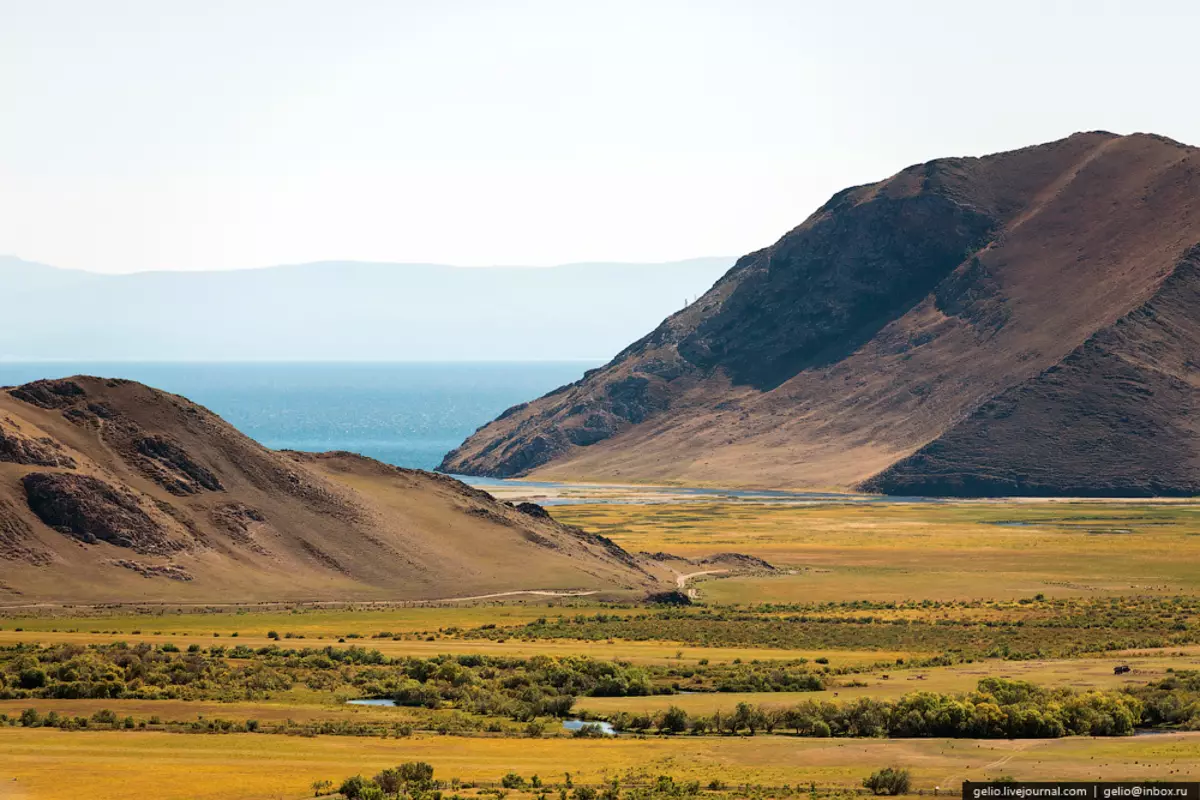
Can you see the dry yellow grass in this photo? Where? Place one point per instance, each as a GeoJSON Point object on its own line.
{"type": "Point", "coordinates": [363, 620]}
{"type": "Point", "coordinates": [902, 551]}
{"type": "Point", "coordinates": [636, 652]}
{"type": "Point", "coordinates": [279, 709]}
{"type": "Point", "coordinates": [54, 765]}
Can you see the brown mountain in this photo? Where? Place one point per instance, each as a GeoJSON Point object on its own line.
{"type": "Point", "coordinates": [112, 491]}
{"type": "Point", "coordinates": [1024, 323]}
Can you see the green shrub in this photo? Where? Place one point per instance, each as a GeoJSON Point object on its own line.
{"type": "Point", "coordinates": [889, 780]}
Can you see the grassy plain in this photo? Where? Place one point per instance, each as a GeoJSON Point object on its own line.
{"type": "Point", "coordinates": [828, 556]}
{"type": "Point", "coordinates": [636, 652]}
{"type": "Point", "coordinates": [53, 765]}
{"type": "Point", "coordinates": [331, 623]}
{"type": "Point", "coordinates": [1094, 673]}
{"type": "Point", "coordinates": [936, 551]}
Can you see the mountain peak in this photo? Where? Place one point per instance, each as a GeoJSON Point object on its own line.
{"type": "Point", "coordinates": [878, 330]}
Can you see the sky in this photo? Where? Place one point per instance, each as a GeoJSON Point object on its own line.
{"type": "Point", "coordinates": [218, 135]}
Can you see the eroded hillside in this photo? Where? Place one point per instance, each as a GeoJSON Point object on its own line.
{"type": "Point", "coordinates": [895, 321]}
{"type": "Point", "coordinates": [111, 491]}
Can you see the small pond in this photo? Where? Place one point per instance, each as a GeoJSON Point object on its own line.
{"type": "Point", "coordinates": [576, 724]}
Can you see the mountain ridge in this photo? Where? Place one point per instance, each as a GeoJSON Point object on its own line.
{"type": "Point", "coordinates": [882, 322]}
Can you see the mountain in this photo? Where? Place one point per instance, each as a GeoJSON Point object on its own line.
{"type": "Point", "coordinates": [339, 311]}
{"type": "Point", "coordinates": [1026, 323]}
{"type": "Point", "coordinates": [111, 491]}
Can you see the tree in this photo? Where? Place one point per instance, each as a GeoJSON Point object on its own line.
{"type": "Point", "coordinates": [512, 781]}
{"type": "Point", "coordinates": [590, 730]}
{"type": "Point", "coordinates": [321, 787]}
{"type": "Point", "coordinates": [674, 720]}
{"type": "Point", "coordinates": [352, 788]}
{"type": "Point", "coordinates": [745, 716]}
{"type": "Point", "coordinates": [416, 773]}
{"type": "Point", "coordinates": [32, 678]}
{"type": "Point", "coordinates": [889, 780]}
{"type": "Point", "coordinates": [389, 781]}
{"type": "Point", "coordinates": [559, 705]}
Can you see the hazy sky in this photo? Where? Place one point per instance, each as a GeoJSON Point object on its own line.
{"type": "Point", "coordinates": [193, 135]}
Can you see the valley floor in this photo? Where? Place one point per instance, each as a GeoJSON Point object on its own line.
{"type": "Point", "coordinates": [864, 601]}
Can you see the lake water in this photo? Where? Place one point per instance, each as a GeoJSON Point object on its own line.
{"type": "Point", "coordinates": [576, 724]}
{"type": "Point", "coordinates": [407, 414]}
{"type": "Point", "coordinates": [671, 494]}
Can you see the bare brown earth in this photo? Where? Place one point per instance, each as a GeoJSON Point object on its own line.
{"type": "Point", "coordinates": [1025, 323]}
{"type": "Point", "coordinates": [111, 491]}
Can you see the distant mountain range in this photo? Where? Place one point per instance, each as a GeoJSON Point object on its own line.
{"type": "Point", "coordinates": [1026, 323]}
{"type": "Point", "coordinates": [341, 311]}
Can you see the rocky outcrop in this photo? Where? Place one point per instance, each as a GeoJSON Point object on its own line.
{"type": "Point", "coordinates": [49, 393]}
{"type": "Point", "coordinates": [172, 468]}
{"type": "Point", "coordinates": [243, 524]}
{"type": "Point", "coordinates": [172, 572]}
{"type": "Point", "coordinates": [739, 561]}
{"type": "Point", "coordinates": [17, 448]}
{"type": "Point", "coordinates": [94, 511]}
{"type": "Point", "coordinates": [533, 510]}
{"type": "Point", "coordinates": [16, 538]}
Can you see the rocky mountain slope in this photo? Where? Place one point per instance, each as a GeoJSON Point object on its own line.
{"type": "Point", "coordinates": [111, 491]}
{"type": "Point", "coordinates": [1024, 323]}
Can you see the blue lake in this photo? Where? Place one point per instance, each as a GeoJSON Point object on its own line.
{"type": "Point", "coordinates": [577, 724]}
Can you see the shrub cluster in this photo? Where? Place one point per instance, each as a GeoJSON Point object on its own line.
{"type": "Point", "coordinates": [1036, 628]}
{"type": "Point", "coordinates": [999, 708]}
{"type": "Point", "coordinates": [490, 685]}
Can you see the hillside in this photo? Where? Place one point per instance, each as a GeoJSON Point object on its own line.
{"type": "Point", "coordinates": [1024, 323]}
{"type": "Point", "coordinates": [338, 311]}
{"type": "Point", "coordinates": [111, 491]}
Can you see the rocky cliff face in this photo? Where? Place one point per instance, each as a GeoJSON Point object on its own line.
{"type": "Point", "coordinates": [873, 345]}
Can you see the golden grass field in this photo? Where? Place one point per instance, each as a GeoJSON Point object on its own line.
{"type": "Point", "coordinates": [1094, 673]}
{"type": "Point", "coordinates": [53, 765]}
{"type": "Point", "coordinates": [637, 652]}
{"type": "Point", "coordinates": [362, 619]}
{"type": "Point", "coordinates": [834, 552]}
{"type": "Point", "coordinates": [907, 551]}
